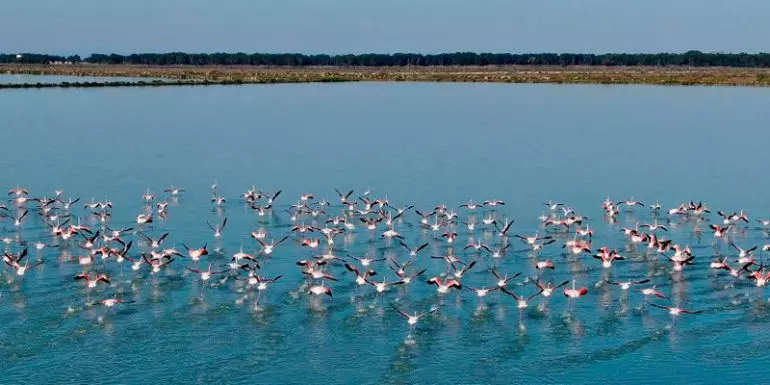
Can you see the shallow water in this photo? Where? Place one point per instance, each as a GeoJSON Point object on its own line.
{"type": "Point", "coordinates": [420, 144]}
{"type": "Point", "coordinates": [24, 78]}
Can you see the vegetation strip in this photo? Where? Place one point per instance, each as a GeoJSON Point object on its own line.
{"type": "Point", "coordinates": [689, 58]}
{"type": "Point", "coordinates": [224, 75]}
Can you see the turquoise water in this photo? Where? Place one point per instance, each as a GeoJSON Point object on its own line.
{"type": "Point", "coordinates": [420, 144]}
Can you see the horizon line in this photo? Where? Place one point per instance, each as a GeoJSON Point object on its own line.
{"type": "Point", "coordinates": [691, 51]}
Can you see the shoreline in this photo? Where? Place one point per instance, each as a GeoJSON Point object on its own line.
{"type": "Point", "coordinates": [236, 75]}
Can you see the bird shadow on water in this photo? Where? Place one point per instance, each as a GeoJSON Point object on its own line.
{"type": "Point", "coordinates": [406, 360]}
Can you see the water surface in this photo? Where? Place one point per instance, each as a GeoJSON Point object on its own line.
{"type": "Point", "coordinates": [420, 144]}
{"type": "Point", "coordinates": [25, 78]}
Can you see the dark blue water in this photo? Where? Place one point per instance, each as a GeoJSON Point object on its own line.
{"type": "Point", "coordinates": [420, 144]}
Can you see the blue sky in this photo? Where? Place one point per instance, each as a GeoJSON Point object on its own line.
{"type": "Point", "coordinates": [350, 26]}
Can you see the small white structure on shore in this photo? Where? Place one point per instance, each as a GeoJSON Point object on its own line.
{"type": "Point", "coordinates": [19, 56]}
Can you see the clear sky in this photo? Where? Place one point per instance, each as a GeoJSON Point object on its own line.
{"type": "Point", "coordinates": [386, 26]}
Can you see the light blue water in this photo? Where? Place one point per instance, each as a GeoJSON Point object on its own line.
{"type": "Point", "coordinates": [24, 78]}
{"type": "Point", "coordinates": [420, 144]}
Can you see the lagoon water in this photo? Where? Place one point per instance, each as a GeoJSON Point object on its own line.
{"type": "Point", "coordinates": [24, 78]}
{"type": "Point", "coordinates": [420, 144]}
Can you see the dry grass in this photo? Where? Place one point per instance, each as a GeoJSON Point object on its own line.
{"type": "Point", "coordinates": [715, 76]}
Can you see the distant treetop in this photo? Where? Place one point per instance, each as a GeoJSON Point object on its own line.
{"type": "Point", "coordinates": [690, 58]}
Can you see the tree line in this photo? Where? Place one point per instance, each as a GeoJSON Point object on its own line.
{"type": "Point", "coordinates": [690, 58]}
{"type": "Point", "coordinates": [35, 58]}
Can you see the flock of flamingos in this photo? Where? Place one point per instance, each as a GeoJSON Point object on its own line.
{"type": "Point", "coordinates": [450, 243]}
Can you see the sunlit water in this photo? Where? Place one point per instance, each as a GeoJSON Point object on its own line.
{"type": "Point", "coordinates": [420, 144]}
{"type": "Point", "coordinates": [24, 78]}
